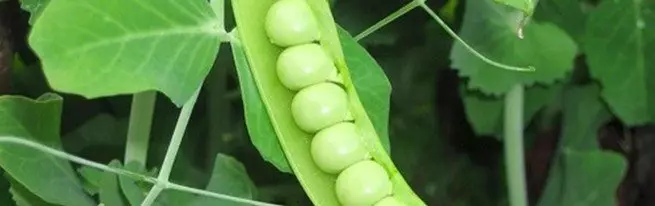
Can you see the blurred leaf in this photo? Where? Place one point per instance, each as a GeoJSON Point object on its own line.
{"type": "Point", "coordinates": [348, 14]}
{"type": "Point", "coordinates": [22, 196]}
{"type": "Point", "coordinates": [101, 130]}
{"type": "Point", "coordinates": [584, 178]}
{"type": "Point", "coordinates": [582, 173]}
{"type": "Point", "coordinates": [526, 6]}
{"type": "Point", "coordinates": [168, 46]}
{"type": "Point", "coordinates": [371, 84]}
{"type": "Point", "coordinates": [261, 131]}
{"type": "Point", "coordinates": [229, 177]}
{"type": "Point", "coordinates": [92, 178]}
{"type": "Point", "coordinates": [110, 192]}
{"type": "Point", "coordinates": [619, 45]}
{"type": "Point", "coordinates": [567, 14]}
{"type": "Point", "coordinates": [50, 178]}
{"type": "Point", "coordinates": [491, 30]}
{"type": "Point", "coordinates": [584, 112]}
{"type": "Point", "coordinates": [485, 113]}
{"type": "Point", "coordinates": [35, 7]}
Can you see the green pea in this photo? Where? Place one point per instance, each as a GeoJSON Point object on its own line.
{"type": "Point", "coordinates": [389, 201]}
{"type": "Point", "coordinates": [363, 184]}
{"type": "Point", "coordinates": [319, 106]}
{"type": "Point", "coordinates": [304, 65]}
{"type": "Point", "coordinates": [337, 147]}
{"type": "Point", "coordinates": [291, 22]}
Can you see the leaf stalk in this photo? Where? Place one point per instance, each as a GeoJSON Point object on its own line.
{"type": "Point", "coordinates": [173, 148]}
{"type": "Point", "coordinates": [513, 143]}
{"type": "Point", "coordinates": [138, 133]}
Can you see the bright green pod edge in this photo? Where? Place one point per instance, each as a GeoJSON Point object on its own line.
{"type": "Point", "coordinates": [262, 55]}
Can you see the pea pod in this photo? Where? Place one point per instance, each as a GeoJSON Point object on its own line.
{"type": "Point", "coordinates": [262, 55]}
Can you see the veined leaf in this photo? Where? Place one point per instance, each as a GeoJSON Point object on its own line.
{"type": "Point", "coordinates": [582, 173]}
{"type": "Point", "coordinates": [50, 178]}
{"type": "Point", "coordinates": [619, 45]}
{"type": "Point", "coordinates": [106, 48]}
{"type": "Point", "coordinates": [491, 29]}
{"type": "Point", "coordinates": [228, 177]}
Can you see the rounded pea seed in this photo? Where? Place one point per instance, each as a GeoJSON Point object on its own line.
{"type": "Point", "coordinates": [291, 22]}
{"type": "Point", "coordinates": [337, 147]}
{"type": "Point", "coordinates": [319, 106]}
{"type": "Point", "coordinates": [363, 183]}
{"type": "Point", "coordinates": [304, 65]}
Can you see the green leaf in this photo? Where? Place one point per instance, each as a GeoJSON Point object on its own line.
{"type": "Point", "coordinates": [491, 29]}
{"type": "Point", "coordinates": [134, 193]}
{"type": "Point", "coordinates": [566, 14]}
{"type": "Point", "coordinates": [485, 113]}
{"type": "Point", "coordinates": [584, 113]}
{"type": "Point", "coordinates": [229, 177]}
{"type": "Point", "coordinates": [35, 7]}
{"type": "Point", "coordinates": [526, 6]}
{"type": "Point", "coordinates": [585, 178]}
{"type": "Point", "coordinates": [371, 84]}
{"type": "Point", "coordinates": [48, 177]}
{"type": "Point", "coordinates": [101, 130]}
{"type": "Point", "coordinates": [168, 46]}
{"type": "Point", "coordinates": [619, 44]}
{"type": "Point", "coordinates": [261, 131]}
{"type": "Point", "coordinates": [110, 192]}
{"type": "Point", "coordinates": [92, 178]}
{"type": "Point", "coordinates": [22, 196]}
{"type": "Point", "coordinates": [582, 173]}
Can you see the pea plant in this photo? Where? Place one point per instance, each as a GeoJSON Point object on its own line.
{"type": "Point", "coordinates": [314, 104]}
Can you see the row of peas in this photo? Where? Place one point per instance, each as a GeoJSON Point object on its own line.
{"type": "Point", "coordinates": [320, 107]}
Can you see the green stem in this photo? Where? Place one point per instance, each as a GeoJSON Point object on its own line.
{"type": "Point", "coordinates": [173, 147]}
{"type": "Point", "coordinates": [138, 133]}
{"type": "Point", "coordinates": [393, 16]}
{"type": "Point", "coordinates": [218, 6]}
{"type": "Point", "coordinates": [513, 141]}
{"type": "Point", "coordinates": [468, 47]}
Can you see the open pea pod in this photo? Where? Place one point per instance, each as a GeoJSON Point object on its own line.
{"type": "Point", "coordinates": [262, 56]}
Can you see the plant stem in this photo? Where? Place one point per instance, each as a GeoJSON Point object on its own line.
{"type": "Point", "coordinates": [393, 16]}
{"type": "Point", "coordinates": [513, 142]}
{"type": "Point", "coordinates": [173, 147]}
{"type": "Point", "coordinates": [138, 133]}
{"type": "Point", "coordinates": [218, 6]}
